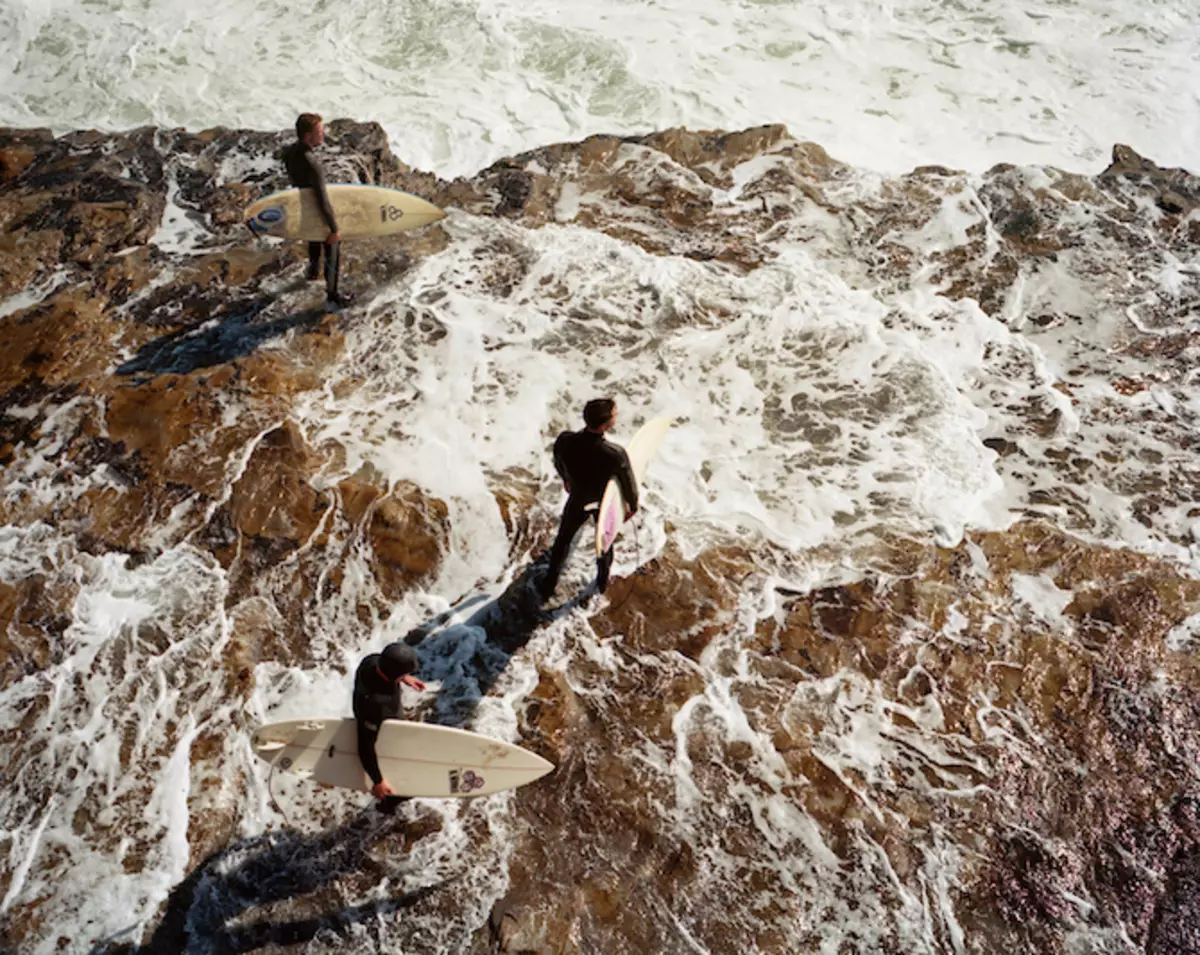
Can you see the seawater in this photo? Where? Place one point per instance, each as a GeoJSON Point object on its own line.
{"type": "Point", "coordinates": [904, 384]}
{"type": "Point", "coordinates": [883, 85]}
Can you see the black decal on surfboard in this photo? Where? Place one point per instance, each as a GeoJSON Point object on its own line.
{"type": "Point", "coordinates": [454, 780]}
{"type": "Point", "coordinates": [393, 213]}
{"type": "Point", "coordinates": [332, 750]}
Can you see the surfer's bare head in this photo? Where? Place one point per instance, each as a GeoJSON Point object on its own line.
{"type": "Point", "coordinates": [600, 414]}
{"type": "Point", "coordinates": [310, 129]}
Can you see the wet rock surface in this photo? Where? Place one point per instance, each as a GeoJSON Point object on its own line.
{"type": "Point", "coordinates": [983, 742]}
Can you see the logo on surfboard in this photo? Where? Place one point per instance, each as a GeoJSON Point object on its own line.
{"type": "Point", "coordinates": [464, 781]}
{"type": "Point", "coordinates": [262, 222]}
{"type": "Point", "coordinates": [388, 213]}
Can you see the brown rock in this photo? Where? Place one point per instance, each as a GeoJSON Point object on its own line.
{"type": "Point", "coordinates": [33, 617]}
{"type": "Point", "coordinates": [409, 532]}
{"type": "Point", "coordinates": [675, 604]}
{"type": "Point", "coordinates": [1176, 190]}
{"type": "Point", "coordinates": [67, 340]}
{"type": "Point", "coordinates": [14, 160]}
{"type": "Point", "coordinates": [701, 150]}
{"type": "Point", "coordinates": [273, 497]}
{"type": "Point", "coordinates": [23, 255]}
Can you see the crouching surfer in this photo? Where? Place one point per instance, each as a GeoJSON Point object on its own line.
{"type": "Point", "coordinates": [587, 461]}
{"type": "Point", "coordinates": [377, 698]}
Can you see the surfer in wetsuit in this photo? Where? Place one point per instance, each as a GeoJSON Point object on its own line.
{"type": "Point", "coordinates": [377, 698]}
{"type": "Point", "coordinates": [305, 172]}
{"type": "Point", "coordinates": [586, 461]}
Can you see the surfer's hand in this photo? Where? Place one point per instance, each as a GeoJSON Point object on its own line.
{"type": "Point", "coordinates": [333, 238]}
{"type": "Point", "coordinates": [382, 790]}
{"type": "Point", "coordinates": [412, 681]}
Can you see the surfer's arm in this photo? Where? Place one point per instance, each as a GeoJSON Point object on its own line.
{"type": "Point", "coordinates": [318, 178]}
{"type": "Point", "coordinates": [629, 488]}
{"type": "Point", "coordinates": [368, 732]}
{"type": "Point", "coordinates": [559, 466]}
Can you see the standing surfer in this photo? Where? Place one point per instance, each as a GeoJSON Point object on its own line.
{"type": "Point", "coordinates": [377, 698]}
{"type": "Point", "coordinates": [305, 172]}
{"type": "Point", "coordinates": [586, 462]}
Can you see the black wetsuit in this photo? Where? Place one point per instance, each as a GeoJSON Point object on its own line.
{"type": "Point", "coordinates": [305, 173]}
{"type": "Point", "coordinates": [587, 462]}
{"type": "Point", "coordinates": [375, 700]}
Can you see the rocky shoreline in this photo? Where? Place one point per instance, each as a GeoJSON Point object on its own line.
{"type": "Point", "coordinates": [153, 354]}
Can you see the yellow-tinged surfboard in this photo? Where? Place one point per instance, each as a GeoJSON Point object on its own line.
{"type": "Point", "coordinates": [360, 211]}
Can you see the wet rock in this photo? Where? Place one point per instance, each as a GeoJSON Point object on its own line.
{"type": "Point", "coordinates": [1012, 696]}
{"type": "Point", "coordinates": [32, 621]}
{"type": "Point", "coordinates": [1176, 922]}
{"type": "Point", "coordinates": [514, 188]}
{"type": "Point", "coordinates": [1176, 190]}
{"type": "Point", "coordinates": [81, 198]}
{"type": "Point", "coordinates": [15, 159]}
{"type": "Point", "coordinates": [68, 340]}
{"type": "Point", "coordinates": [712, 155]}
{"type": "Point", "coordinates": [675, 604]}
{"type": "Point", "coordinates": [409, 532]}
{"type": "Point", "coordinates": [274, 498]}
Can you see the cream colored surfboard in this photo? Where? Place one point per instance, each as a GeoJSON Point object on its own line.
{"type": "Point", "coordinates": [360, 211]}
{"type": "Point", "coordinates": [417, 759]}
{"type": "Point", "coordinates": [613, 509]}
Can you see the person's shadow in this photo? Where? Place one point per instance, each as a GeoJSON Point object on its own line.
{"type": "Point", "coordinates": [227, 336]}
{"type": "Point", "coordinates": [277, 867]}
{"type": "Point", "coordinates": [469, 646]}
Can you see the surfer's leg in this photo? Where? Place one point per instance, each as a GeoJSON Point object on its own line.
{"type": "Point", "coordinates": [603, 566]}
{"type": "Point", "coordinates": [333, 297]}
{"type": "Point", "coordinates": [573, 518]}
{"type": "Point", "coordinates": [314, 260]}
{"type": "Point", "coordinates": [332, 254]}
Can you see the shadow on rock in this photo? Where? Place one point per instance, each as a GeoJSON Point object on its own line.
{"type": "Point", "coordinates": [227, 336]}
{"type": "Point", "coordinates": [470, 645]}
{"type": "Point", "coordinates": [285, 874]}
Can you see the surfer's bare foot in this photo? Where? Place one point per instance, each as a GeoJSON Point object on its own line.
{"type": "Point", "coordinates": [341, 300]}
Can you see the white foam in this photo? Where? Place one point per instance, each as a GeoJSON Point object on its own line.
{"type": "Point", "coordinates": [459, 85]}
{"type": "Point", "coordinates": [34, 294]}
{"type": "Point", "coordinates": [819, 400]}
{"type": "Point", "coordinates": [1043, 597]}
{"type": "Point", "coordinates": [181, 230]}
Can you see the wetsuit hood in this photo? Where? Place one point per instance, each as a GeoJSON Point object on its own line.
{"type": "Point", "coordinates": [397, 660]}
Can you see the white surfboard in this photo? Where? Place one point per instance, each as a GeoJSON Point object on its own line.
{"type": "Point", "coordinates": [613, 509]}
{"type": "Point", "coordinates": [360, 210]}
{"type": "Point", "coordinates": [417, 759]}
